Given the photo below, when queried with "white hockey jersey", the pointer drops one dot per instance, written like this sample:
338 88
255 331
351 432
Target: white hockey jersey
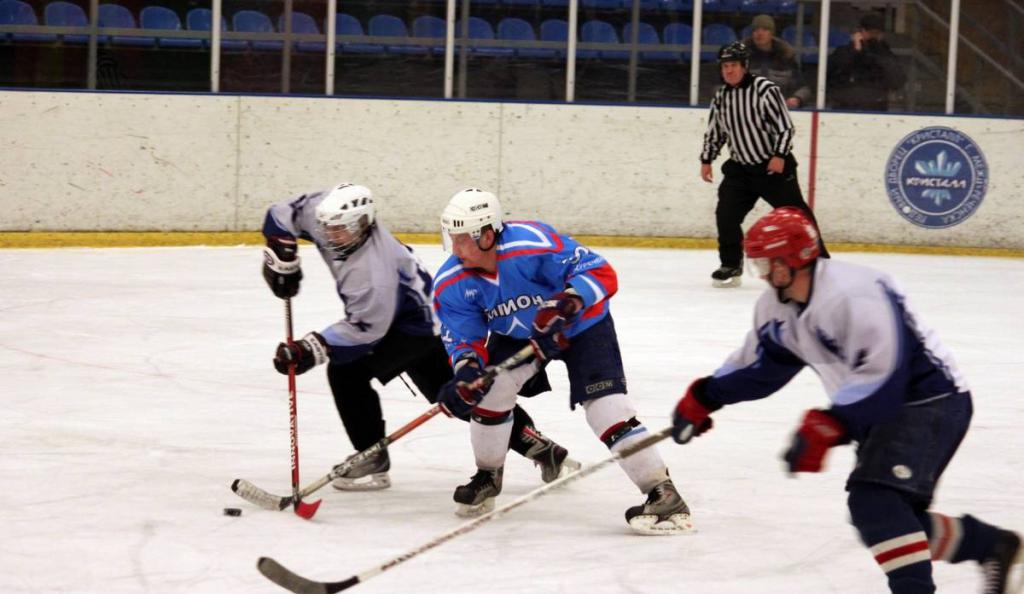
382 284
858 334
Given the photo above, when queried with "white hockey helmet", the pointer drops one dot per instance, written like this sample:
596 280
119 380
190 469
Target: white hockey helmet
470 211
344 217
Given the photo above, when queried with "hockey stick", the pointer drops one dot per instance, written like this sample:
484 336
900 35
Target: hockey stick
258 496
302 509
289 580
269 501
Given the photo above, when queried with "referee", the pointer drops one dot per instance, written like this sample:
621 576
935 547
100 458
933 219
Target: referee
750 114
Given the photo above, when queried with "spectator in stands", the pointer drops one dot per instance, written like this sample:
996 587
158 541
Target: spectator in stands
862 73
776 60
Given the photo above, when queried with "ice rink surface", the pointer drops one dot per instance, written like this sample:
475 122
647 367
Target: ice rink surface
137 385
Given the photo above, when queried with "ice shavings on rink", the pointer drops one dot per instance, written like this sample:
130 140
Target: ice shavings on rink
137 385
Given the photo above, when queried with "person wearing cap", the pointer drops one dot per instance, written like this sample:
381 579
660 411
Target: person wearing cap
749 114
862 73
776 60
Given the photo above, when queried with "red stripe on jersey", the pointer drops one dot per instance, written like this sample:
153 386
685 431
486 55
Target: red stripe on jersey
914 547
454 279
595 310
478 346
555 239
606 277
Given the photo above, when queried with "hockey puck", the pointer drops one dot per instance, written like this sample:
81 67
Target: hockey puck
232 511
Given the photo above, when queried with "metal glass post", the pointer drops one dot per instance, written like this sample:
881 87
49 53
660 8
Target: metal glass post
954 44
570 51
823 27
695 47
332 12
216 16
449 49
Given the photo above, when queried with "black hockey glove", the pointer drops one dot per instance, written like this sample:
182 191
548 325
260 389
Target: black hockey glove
305 353
548 340
458 397
281 266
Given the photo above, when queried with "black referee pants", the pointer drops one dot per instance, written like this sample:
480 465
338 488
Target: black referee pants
741 186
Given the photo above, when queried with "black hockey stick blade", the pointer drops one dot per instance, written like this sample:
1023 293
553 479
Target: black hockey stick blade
293 582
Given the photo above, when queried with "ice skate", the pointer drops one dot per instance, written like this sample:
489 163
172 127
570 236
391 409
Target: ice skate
553 459
1002 569
664 512
727 277
477 497
368 475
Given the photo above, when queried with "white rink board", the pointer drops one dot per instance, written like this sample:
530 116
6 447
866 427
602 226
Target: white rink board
106 161
852 202
92 162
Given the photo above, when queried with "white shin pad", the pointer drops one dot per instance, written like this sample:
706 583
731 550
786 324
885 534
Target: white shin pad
490 442
645 468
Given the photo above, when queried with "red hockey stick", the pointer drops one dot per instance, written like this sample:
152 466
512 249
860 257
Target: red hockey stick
302 509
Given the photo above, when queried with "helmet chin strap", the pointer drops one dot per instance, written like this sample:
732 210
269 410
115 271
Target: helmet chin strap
494 242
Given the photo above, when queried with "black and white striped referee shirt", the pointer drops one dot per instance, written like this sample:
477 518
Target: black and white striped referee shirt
752 117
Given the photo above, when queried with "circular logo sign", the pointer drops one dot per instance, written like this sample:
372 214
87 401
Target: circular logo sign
936 177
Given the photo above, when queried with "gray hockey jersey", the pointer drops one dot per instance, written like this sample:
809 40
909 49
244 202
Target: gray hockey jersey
383 285
857 333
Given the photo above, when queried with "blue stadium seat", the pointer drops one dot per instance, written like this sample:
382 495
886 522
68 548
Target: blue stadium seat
303 24
647 34
598 31
678 34
252 21
115 15
837 37
430 27
514 29
159 17
15 12
481 29
755 6
554 3
745 33
716 35
387 25
520 2
198 19
789 7
602 4
555 30
66 14
677 5
346 24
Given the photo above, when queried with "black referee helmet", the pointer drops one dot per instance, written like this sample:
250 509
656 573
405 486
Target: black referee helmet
734 52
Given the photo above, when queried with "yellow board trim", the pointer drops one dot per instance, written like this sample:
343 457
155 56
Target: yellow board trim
105 239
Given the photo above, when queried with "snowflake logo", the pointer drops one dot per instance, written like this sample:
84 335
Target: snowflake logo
940 167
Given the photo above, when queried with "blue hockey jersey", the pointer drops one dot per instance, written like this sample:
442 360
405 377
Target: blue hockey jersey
858 334
534 262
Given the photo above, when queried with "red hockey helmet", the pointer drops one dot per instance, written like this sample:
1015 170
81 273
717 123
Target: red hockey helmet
784 233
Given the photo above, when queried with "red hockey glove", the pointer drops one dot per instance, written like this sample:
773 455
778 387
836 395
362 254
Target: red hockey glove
819 431
305 353
548 339
691 415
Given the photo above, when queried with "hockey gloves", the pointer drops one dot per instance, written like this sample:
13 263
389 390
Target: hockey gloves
281 266
819 431
458 397
548 339
305 353
691 416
